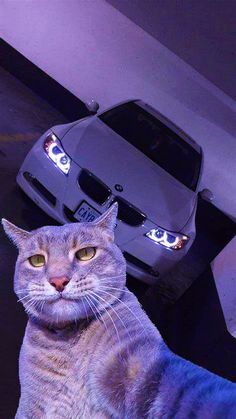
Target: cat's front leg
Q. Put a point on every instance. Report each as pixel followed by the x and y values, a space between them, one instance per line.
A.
pixel 29 413
pixel 20 414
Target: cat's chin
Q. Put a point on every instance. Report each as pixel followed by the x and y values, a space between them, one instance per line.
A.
pixel 64 310
pixel 60 310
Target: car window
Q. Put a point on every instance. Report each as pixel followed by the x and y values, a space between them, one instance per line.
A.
pixel 158 142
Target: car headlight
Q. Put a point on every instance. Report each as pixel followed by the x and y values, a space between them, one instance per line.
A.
pixel 55 152
pixel 165 238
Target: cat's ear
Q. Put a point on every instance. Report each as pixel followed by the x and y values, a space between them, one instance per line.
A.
pixel 107 221
pixel 16 234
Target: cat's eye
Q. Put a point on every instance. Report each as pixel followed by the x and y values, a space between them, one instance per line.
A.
pixel 86 253
pixel 37 261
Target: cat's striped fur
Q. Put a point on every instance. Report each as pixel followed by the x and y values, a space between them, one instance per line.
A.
pixel 110 362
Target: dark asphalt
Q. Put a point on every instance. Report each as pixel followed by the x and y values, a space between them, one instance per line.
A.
pixel 186 325
pixel 24 117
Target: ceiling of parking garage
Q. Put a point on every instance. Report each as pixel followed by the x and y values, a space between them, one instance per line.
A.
pixel 202 33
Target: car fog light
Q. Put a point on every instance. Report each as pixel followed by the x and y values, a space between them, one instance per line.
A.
pixel 55 152
pixel 165 238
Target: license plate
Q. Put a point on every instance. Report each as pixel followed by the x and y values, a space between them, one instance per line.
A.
pixel 86 213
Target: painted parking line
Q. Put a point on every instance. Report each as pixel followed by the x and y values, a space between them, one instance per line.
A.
pixel 18 137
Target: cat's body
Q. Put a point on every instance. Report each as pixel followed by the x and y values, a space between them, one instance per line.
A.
pixel 101 357
pixel 82 368
pixel 88 373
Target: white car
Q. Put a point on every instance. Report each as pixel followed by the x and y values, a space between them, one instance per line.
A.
pixel 130 154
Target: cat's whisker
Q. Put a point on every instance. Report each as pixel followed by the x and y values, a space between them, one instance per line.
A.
pixel 89 303
pixel 24 290
pixel 30 305
pixel 38 304
pixel 96 299
pixel 22 298
pixel 114 288
pixel 111 277
pixel 112 308
pixel 134 315
pixel 36 283
pixel 99 314
pixel 41 306
pixel 106 311
pixel 29 290
pixel 32 299
pixel 75 318
pixel 31 283
pixel 26 302
pixel 37 297
pixel 76 312
pixel 85 309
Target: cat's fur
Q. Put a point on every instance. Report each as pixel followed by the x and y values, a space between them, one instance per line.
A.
pixel 95 354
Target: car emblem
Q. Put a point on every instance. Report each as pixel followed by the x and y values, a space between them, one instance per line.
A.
pixel 118 187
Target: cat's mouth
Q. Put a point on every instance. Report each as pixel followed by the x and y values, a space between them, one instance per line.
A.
pixel 62 297
pixel 56 298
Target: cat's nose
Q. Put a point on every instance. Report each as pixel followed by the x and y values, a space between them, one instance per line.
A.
pixel 59 282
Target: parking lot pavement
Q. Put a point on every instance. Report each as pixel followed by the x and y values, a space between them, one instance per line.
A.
pixel 24 116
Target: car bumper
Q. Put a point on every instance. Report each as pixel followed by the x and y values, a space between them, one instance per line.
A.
pixel 60 196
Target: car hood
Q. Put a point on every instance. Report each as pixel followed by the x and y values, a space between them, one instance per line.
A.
pixel 95 147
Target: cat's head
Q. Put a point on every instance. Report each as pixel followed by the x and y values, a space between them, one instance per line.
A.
pixel 66 273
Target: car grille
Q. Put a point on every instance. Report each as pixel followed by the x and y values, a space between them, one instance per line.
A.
pixel 93 187
pixel 128 213
pixel 100 193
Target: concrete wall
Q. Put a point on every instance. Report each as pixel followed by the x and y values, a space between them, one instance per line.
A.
pixel 95 51
pixel 201 32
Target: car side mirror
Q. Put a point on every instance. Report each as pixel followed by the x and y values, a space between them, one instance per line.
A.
pixel 92 106
pixel 207 195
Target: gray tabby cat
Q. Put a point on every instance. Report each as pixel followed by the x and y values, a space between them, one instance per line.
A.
pixel 89 349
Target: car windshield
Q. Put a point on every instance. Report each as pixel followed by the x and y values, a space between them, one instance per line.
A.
pixel 158 142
